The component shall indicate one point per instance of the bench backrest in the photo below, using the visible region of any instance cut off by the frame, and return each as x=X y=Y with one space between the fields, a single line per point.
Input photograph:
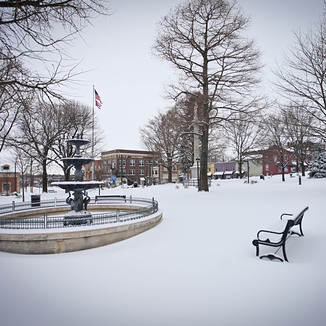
x=288 y=226
x=297 y=220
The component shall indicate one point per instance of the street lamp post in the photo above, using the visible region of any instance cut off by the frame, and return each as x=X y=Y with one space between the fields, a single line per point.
x=198 y=177
x=121 y=169
x=247 y=168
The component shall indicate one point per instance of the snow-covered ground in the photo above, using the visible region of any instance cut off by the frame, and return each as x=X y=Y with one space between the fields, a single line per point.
x=197 y=267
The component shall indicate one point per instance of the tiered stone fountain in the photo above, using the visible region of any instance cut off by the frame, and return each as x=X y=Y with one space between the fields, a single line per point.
x=67 y=239
x=78 y=213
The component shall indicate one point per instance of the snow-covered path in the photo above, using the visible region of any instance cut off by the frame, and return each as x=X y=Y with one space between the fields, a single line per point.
x=197 y=267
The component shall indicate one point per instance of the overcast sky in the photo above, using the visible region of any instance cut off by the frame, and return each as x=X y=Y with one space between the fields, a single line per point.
x=118 y=60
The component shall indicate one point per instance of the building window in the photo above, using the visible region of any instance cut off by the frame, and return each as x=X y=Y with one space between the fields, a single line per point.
x=141 y=172
x=132 y=172
x=132 y=162
x=141 y=162
x=267 y=167
x=6 y=167
x=6 y=187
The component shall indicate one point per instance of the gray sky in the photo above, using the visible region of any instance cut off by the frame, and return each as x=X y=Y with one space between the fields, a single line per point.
x=130 y=80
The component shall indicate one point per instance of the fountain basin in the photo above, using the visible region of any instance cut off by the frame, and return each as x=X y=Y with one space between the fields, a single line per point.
x=77 y=160
x=77 y=141
x=74 y=238
x=77 y=185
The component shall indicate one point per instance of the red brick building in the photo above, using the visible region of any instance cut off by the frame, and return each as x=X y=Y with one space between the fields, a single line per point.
x=126 y=166
x=88 y=173
x=9 y=180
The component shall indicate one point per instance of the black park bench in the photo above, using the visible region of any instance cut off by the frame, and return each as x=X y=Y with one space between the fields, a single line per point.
x=262 y=236
x=103 y=198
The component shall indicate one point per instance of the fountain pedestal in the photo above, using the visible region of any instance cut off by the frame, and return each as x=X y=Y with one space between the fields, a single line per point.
x=79 y=201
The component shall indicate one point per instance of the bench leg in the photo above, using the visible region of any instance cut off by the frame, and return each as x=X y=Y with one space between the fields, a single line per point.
x=284 y=253
x=301 y=228
x=255 y=243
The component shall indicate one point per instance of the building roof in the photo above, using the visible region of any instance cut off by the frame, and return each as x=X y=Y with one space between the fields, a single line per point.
x=127 y=151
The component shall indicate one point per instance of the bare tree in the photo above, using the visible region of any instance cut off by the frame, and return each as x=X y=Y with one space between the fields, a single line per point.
x=202 y=39
x=298 y=128
x=301 y=79
x=160 y=135
x=74 y=119
x=277 y=137
x=33 y=58
x=244 y=135
x=22 y=160
x=38 y=129
x=42 y=131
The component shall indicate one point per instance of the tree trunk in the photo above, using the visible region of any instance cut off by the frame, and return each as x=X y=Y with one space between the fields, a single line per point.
x=298 y=166
x=44 y=176
x=169 y=170
x=203 y=185
x=283 y=174
x=240 y=169
x=66 y=172
x=303 y=169
x=23 y=186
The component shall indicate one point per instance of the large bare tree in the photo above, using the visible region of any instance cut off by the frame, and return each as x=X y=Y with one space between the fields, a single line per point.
x=202 y=39
x=34 y=36
x=301 y=79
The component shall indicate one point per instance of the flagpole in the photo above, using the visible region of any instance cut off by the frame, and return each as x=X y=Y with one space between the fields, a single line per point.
x=93 y=134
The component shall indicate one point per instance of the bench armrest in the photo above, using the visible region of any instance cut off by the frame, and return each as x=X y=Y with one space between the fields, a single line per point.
x=267 y=231
x=285 y=214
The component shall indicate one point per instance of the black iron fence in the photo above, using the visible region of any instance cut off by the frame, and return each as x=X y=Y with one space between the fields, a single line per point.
x=146 y=208
x=194 y=182
x=23 y=206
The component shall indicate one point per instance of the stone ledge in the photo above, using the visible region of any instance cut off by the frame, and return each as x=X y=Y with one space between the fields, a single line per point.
x=60 y=242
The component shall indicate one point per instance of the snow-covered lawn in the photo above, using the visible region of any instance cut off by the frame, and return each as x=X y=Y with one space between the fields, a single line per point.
x=196 y=268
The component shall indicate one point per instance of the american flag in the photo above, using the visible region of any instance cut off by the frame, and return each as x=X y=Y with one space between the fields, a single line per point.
x=98 y=101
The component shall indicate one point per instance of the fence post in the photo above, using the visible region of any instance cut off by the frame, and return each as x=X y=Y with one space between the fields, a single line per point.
x=130 y=199
x=118 y=215
x=45 y=220
x=55 y=201
x=13 y=205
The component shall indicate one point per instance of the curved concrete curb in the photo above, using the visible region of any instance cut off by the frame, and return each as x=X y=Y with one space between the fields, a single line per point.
x=75 y=239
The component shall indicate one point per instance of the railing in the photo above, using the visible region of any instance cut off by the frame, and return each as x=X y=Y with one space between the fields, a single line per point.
x=16 y=207
x=146 y=207
x=194 y=182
